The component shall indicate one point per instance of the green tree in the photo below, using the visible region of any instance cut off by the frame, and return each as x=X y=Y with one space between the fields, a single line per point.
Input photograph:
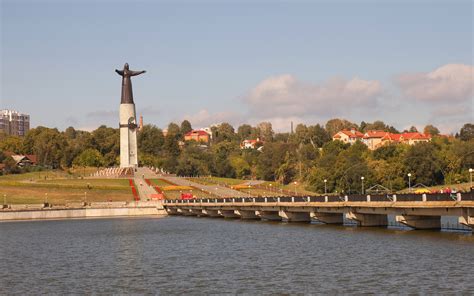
x=107 y=141
x=193 y=161
x=48 y=144
x=150 y=140
x=467 y=132
x=12 y=144
x=244 y=131
x=335 y=125
x=223 y=132
x=423 y=163
x=174 y=130
x=431 y=130
x=89 y=158
x=222 y=152
x=241 y=167
x=185 y=127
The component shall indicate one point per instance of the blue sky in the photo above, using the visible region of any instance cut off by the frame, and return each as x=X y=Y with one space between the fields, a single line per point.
x=240 y=61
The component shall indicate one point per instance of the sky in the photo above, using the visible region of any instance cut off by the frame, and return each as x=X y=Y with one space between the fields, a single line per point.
x=404 y=62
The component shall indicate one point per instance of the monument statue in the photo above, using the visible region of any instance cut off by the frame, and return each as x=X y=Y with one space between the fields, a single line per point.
x=128 y=120
x=127 y=93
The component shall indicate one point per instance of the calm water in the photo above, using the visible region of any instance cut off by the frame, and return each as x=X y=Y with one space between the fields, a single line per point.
x=178 y=255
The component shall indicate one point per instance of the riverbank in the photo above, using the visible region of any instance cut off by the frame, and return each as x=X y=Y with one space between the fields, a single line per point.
x=79 y=211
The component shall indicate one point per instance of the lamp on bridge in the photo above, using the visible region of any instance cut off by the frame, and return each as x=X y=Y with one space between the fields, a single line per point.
x=295 y=187
x=325 y=188
x=362 y=179
x=409 y=182
x=470 y=173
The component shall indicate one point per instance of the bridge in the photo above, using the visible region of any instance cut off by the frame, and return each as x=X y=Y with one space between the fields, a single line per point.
x=418 y=211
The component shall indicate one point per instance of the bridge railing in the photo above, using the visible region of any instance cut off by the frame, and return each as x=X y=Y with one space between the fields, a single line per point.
x=467 y=196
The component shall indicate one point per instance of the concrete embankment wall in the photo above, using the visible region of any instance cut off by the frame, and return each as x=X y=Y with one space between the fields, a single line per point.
x=84 y=212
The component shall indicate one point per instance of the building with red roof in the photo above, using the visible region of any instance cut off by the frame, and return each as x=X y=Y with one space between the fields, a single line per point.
x=348 y=136
x=251 y=144
x=199 y=136
x=377 y=138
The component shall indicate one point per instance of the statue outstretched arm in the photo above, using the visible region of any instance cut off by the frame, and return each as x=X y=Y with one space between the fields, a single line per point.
x=135 y=73
x=119 y=72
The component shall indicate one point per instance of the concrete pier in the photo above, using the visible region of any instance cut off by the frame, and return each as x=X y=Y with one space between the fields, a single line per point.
x=328 y=218
x=228 y=214
x=368 y=220
x=212 y=213
x=269 y=215
x=467 y=217
x=295 y=216
x=420 y=222
x=244 y=214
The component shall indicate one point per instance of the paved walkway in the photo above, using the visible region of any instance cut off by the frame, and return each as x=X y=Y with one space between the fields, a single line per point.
x=144 y=191
x=220 y=191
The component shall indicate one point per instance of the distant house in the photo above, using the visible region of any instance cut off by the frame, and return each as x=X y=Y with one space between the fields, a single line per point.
x=251 y=144
x=199 y=136
x=374 y=139
x=348 y=136
x=377 y=138
x=23 y=160
x=413 y=138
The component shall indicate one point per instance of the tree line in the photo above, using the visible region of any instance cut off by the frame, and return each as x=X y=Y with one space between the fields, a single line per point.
x=307 y=155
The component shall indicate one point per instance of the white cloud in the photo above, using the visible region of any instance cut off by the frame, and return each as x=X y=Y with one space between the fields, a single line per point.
x=451 y=82
x=204 y=118
x=284 y=96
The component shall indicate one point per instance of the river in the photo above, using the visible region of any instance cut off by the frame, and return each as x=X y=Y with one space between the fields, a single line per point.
x=185 y=255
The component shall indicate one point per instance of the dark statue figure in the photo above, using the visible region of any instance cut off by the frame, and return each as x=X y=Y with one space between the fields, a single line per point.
x=127 y=94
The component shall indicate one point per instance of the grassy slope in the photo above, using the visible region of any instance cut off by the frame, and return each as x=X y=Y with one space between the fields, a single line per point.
x=59 y=188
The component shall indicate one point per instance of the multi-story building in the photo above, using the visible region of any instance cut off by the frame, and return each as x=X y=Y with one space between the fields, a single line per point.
x=14 y=123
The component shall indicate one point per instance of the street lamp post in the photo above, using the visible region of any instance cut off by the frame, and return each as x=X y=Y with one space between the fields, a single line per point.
x=325 y=187
x=249 y=191
x=362 y=179
x=295 y=187
x=409 y=182
x=5 y=199
x=470 y=173
x=270 y=187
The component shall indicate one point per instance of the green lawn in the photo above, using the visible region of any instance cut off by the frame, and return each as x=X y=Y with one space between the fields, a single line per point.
x=59 y=187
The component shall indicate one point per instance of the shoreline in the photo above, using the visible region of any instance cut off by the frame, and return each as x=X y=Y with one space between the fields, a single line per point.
x=137 y=209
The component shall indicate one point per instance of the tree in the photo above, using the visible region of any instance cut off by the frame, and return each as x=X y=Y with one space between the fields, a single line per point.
x=333 y=126
x=413 y=129
x=376 y=125
x=240 y=166
x=431 y=130
x=223 y=132
x=265 y=131
x=185 y=127
x=150 y=140
x=171 y=153
x=423 y=163
x=244 y=131
x=174 y=130
x=107 y=141
x=221 y=152
x=70 y=133
x=48 y=144
x=89 y=158
x=12 y=144
x=193 y=161
x=318 y=136
x=467 y=132
x=271 y=158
